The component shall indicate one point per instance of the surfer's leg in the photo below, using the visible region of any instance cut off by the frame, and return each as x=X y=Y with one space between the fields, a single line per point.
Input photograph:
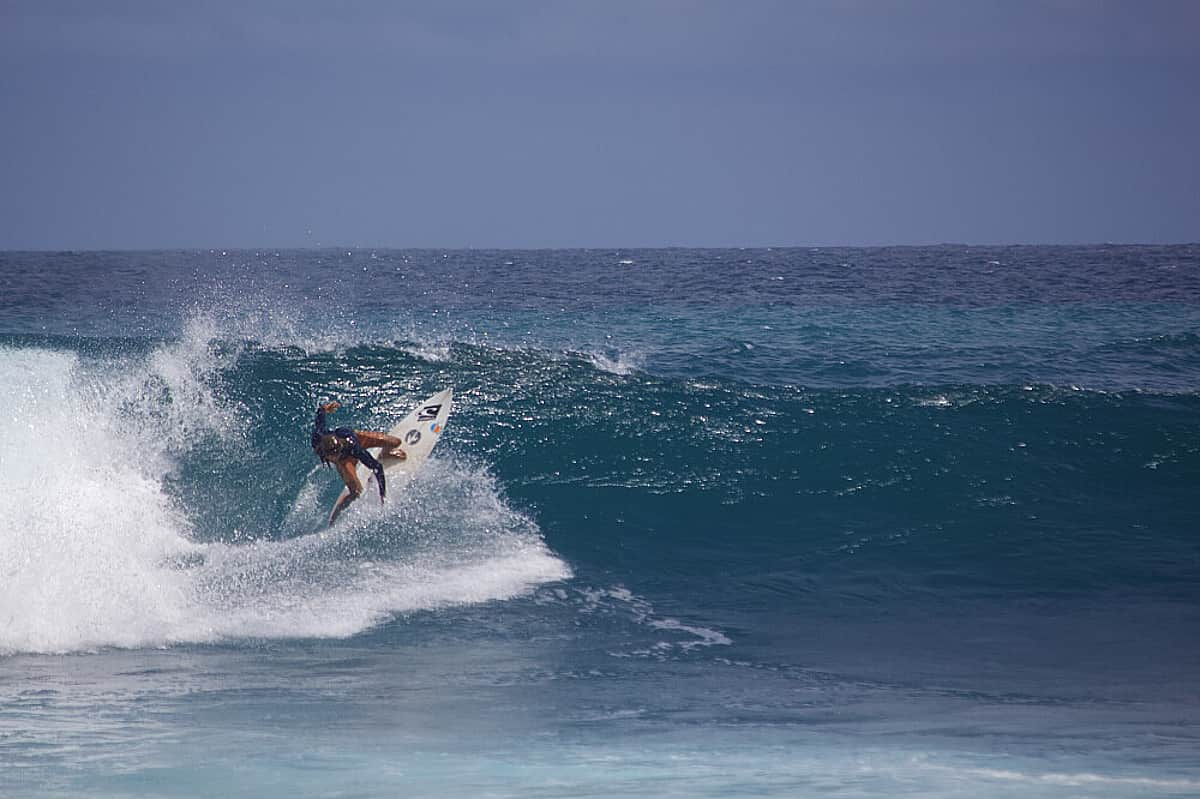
x=341 y=506
x=391 y=444
x=348 y=469
x=369 y=439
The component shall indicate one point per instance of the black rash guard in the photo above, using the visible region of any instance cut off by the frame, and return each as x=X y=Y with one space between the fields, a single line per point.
x=356 y=450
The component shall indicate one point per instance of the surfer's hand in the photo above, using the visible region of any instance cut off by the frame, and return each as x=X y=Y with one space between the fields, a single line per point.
x=398 y=453
x=330 y=407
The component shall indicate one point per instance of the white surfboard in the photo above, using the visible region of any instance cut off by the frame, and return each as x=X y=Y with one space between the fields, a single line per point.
x=419 y=431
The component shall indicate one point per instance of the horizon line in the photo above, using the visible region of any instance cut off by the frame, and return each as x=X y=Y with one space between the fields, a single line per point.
x=584 y=248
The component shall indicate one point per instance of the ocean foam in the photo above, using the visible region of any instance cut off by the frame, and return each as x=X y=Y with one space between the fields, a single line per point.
x=445 y=538
x=681 y=637
x=622 y=364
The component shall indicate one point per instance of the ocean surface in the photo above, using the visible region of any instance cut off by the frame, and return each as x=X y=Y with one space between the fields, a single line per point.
x=765 y=522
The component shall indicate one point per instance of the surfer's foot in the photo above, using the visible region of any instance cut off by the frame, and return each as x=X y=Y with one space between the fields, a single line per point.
x=398 y=453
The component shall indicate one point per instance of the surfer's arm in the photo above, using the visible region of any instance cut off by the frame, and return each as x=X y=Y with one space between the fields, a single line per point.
x=319 y=428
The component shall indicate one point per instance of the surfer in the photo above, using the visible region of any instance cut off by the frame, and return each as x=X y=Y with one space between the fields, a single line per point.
x=345 y=449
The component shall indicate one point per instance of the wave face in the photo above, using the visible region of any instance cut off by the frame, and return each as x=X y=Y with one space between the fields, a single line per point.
x=788 y=431
x=154 y=504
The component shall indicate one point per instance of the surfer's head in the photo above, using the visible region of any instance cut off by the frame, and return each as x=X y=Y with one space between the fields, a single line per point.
x=329 y=447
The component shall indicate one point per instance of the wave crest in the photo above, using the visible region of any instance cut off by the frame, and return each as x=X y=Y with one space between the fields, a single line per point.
x=98 y=550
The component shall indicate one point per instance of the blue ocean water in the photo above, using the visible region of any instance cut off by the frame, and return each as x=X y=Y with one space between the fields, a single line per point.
x=790 y=522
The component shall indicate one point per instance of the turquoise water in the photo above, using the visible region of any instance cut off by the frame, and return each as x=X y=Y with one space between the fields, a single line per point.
x=913 y=521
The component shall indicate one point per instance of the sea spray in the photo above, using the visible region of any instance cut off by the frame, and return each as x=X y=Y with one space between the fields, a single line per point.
x=88 y=528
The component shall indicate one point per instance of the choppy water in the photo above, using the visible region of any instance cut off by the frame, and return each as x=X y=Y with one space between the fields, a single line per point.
x=913 y=521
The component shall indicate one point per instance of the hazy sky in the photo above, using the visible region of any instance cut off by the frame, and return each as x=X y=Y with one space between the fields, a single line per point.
x=544 y=123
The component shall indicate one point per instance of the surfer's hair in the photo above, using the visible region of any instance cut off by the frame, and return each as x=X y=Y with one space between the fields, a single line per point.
x=330 y=446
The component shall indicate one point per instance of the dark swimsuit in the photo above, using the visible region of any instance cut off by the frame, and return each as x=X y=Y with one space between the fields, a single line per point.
x=356 y=450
